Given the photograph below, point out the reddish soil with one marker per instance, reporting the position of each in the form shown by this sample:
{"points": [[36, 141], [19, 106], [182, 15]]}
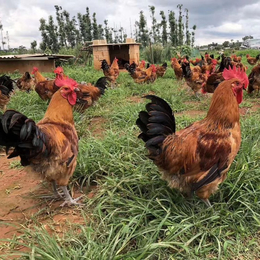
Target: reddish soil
{"points": [[19, 204]]}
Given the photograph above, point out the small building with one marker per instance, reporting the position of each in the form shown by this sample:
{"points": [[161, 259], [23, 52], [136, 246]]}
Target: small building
{"points": [[25, 62], [127, 52]]}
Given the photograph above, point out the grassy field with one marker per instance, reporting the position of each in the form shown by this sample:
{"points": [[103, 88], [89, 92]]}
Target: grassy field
{"points": [[134, 214]]}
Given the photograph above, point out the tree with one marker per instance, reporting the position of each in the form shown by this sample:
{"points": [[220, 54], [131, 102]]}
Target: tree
{"points": [[108, 33], [45, 38], [249, 37], [94, 27], [143, 32], [1, 29], [193, 35], [155, 27], [225, 44], [180, 26], [164, 28], [61, 25], [173, 28], [33, 45], [53, 35], [188, 40]]}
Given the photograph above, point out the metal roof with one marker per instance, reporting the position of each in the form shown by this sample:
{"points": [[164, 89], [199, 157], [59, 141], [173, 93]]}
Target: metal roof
{"points": [[36, 55]]}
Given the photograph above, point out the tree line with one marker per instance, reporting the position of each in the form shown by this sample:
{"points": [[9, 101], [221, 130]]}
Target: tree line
{"points": [[69, 31]]}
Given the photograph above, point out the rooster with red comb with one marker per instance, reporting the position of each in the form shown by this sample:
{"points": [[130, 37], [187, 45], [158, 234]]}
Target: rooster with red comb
{"points": [[196, 159], [50, 147]]}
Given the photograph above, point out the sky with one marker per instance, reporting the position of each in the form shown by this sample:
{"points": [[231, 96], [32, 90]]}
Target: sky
{"points": [[216, 20]]}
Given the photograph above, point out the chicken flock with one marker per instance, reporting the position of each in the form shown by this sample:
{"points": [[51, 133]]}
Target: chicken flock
{"points": [[193, 160]]}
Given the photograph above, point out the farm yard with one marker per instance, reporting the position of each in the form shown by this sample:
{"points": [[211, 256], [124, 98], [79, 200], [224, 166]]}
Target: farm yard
{"points": [[129, 212]]}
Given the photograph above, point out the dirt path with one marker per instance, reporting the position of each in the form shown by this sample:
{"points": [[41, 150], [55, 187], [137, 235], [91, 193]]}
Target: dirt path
{"points": [[19, 205]]}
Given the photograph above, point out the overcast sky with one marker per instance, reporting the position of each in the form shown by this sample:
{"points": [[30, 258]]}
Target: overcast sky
{"points": [[216, 20]]}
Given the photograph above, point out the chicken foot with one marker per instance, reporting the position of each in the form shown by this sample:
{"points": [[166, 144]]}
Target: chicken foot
{"points": [[68, 199], [207, 202], [56, 196]]}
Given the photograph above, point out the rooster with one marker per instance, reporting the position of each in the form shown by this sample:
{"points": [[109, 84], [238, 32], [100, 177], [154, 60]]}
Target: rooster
{"points": [[37, 75], [6, 89], [47, 88], [50, 147], [111, 72], [254, 80], [177, 68], [142, 65], [26, 82], [89, 93], [197, 158]]}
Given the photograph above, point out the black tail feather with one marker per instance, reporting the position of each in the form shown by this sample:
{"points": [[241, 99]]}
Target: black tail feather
{"points": [[102, 84], [155, 124], [17, 131]]}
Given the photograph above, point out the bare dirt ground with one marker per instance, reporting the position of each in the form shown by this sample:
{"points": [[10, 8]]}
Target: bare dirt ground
{"points": [[20, 206]]}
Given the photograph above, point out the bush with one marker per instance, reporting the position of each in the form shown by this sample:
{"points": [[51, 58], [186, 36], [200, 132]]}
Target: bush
{"points": [[153, 53]]}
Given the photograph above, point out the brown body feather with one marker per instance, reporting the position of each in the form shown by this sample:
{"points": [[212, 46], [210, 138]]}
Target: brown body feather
{"points": [[197, 158], [46, 89], [26, 82]]}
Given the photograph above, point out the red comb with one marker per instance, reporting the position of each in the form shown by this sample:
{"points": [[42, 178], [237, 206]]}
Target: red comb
{"points": [[58, 70], [235, 73], [71, 83], [214, 62]]}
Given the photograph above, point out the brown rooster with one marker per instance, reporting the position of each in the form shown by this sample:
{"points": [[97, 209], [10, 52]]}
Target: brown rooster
{"points": [[47, 88], [26, 82], [177, 68], [197, 158], [37, 75], [50, 147], [111, 72]]}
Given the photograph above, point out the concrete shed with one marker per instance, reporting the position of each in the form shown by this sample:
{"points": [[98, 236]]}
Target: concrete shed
{"points": [[125, 52], [25, 62]]}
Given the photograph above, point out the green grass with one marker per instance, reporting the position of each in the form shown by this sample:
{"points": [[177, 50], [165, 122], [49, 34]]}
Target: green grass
{"points": [[134, 214]]}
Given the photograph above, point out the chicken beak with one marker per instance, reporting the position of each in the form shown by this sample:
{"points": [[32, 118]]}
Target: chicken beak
{"points": [[76, 90]]}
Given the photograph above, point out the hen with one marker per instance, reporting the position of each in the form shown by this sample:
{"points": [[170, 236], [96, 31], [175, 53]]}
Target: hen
{"points": [[197, 158], [111, 72], [194, 78], [161, 70], [89, 93], [252, 60], [254, 80], [142, 76], [6, 89], [212, 82], [26, 82], [50, 147]]}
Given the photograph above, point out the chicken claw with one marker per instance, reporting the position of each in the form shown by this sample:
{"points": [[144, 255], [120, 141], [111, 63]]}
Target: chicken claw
{"points": [[207, 202], [69, 200]]}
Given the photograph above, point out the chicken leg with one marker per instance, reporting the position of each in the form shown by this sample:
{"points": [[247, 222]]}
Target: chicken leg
{"points": [[68, 199], [207, 202]]}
